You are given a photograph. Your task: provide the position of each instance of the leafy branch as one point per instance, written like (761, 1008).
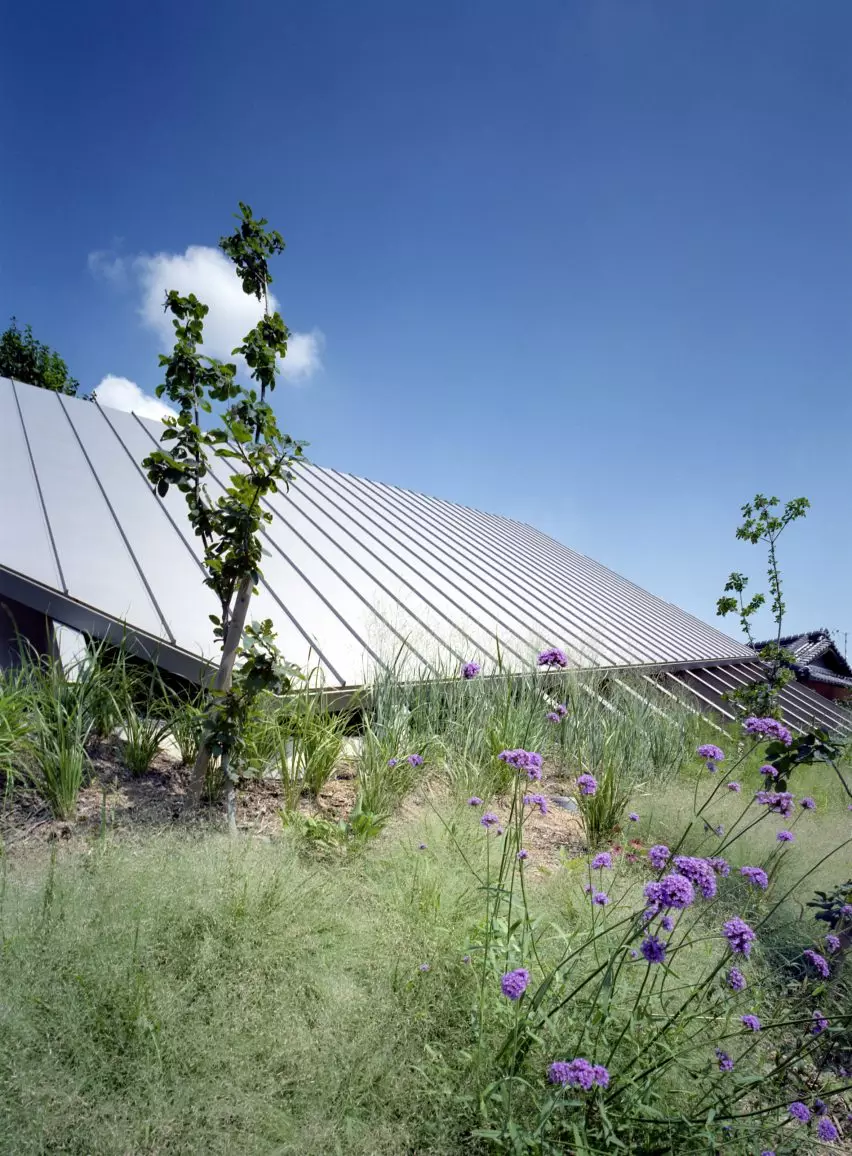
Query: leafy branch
(247, 438)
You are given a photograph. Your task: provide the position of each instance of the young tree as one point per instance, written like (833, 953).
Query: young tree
(762, 524)
(26, 359)
(246, 440)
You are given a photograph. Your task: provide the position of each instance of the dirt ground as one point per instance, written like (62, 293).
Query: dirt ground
(133, 805)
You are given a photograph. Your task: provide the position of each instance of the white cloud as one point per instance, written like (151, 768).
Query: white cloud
(208, 274)
(105, 263)
(121, 393)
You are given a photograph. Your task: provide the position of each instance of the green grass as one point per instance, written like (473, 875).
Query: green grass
(204, 997)
(208, 995)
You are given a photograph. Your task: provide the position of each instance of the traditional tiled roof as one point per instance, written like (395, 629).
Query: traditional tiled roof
(806, 649)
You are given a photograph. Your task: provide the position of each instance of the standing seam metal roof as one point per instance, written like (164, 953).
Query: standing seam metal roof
(357, 574)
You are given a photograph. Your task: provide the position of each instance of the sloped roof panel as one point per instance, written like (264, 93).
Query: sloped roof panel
(357, 574)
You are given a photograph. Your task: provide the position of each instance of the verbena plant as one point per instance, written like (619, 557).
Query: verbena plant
(637, 1027)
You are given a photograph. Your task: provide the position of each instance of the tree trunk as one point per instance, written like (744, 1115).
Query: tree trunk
(222, 682)
(230, 793)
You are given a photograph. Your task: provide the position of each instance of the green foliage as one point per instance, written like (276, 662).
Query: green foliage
(603, 813)
(246, 438)
(352, 833)
(60, 727)
(185, 720)
(143, 737)
(13, 731)
(762, 525)
(28, 360)
(835, 908)
(385, 775)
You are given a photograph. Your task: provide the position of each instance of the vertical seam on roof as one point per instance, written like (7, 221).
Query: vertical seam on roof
(37, 480)
(118, 525)
(464, 528)
(596, 647)
(368, 503)
(148, 485)
(441, 642)
(312, 643)
(305, 475)
(700, 631)
(373, 610)
(590, 620)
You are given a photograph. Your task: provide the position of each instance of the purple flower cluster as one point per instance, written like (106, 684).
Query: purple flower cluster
(832, 944)
(720, 866)
(633, 817)
(751, 1023)
(653, 949)
(601, 860)
(699, 872)
(489, 819)
(670, 891)
(825, 1130)
(786, 837)
(819, 1024)
(800, 1111)
(711, 753)
(578, 1073)
(817, 962)
(726, 1064)
(588, 784)
(470, 670)
(735, 787)
(735, 979)
(807, 804)
(667, 923)
(552, 657)
(769, 771)
(474, 801)
(552, 716)
(527, 761)
(415, 760)
(756, 876)
(515, 983)
(739, 935)
(781, 802)
(522, 855)
(393, 762)
(557, 714)
(768, 728)
(658, 856)
(536, 801)
(600, 898)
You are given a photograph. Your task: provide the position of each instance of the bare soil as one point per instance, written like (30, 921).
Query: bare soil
(133, 805)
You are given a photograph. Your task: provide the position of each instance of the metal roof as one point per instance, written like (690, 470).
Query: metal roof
(357, 574)
(802, 708)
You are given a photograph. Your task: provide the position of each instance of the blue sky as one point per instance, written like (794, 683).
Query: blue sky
(586, 264)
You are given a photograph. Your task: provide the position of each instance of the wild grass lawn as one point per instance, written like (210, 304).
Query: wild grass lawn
(199, 995)
(338, 989)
